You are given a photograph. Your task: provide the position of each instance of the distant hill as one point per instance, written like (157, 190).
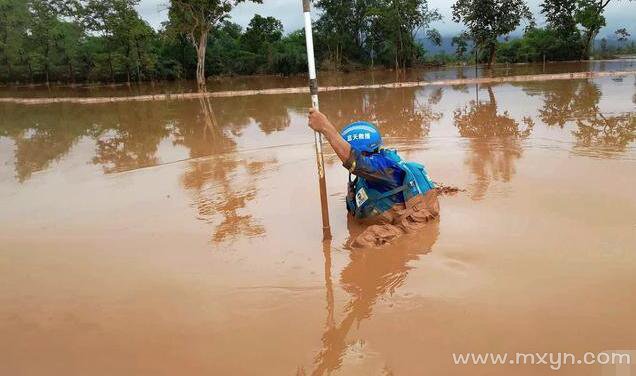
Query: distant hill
(432, 48)
(448, 48)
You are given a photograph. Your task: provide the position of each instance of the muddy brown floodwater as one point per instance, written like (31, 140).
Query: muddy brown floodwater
(184, 237)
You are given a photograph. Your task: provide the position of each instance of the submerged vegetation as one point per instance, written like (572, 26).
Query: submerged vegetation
(107, 40)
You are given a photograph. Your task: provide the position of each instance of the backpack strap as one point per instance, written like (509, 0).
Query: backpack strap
(392, 192)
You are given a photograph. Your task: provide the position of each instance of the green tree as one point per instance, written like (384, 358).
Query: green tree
(541, 43)
(43, 16)
(622, 35)
(395, 24)
(14, 17)
(487, 20)
(195, 19)
(561, 21)
(101, 17)
(343, 29)
(560, 15)
(260, 38)
(226, 54)
(460, 42)
(125, 34)
(604, 48)
(589, 15)
(50, 40)
(68, 38)
(291, 55)
(134, 36)
(261, 33)
(176, 56)
(47, 40)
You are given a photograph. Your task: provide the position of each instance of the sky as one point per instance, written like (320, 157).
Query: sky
(619, 13)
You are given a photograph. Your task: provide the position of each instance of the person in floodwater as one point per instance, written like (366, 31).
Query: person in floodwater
(393, 195)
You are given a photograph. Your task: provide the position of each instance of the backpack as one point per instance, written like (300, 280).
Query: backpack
(365, 202)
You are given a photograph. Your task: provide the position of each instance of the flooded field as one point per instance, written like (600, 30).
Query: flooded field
(325, 79)
(184, 237)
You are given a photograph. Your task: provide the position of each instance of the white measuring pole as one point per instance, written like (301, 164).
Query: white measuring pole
(313, 90)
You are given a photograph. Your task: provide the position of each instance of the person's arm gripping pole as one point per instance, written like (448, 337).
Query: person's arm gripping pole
(313, 90)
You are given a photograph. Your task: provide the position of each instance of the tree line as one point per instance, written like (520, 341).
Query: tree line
(77, 41)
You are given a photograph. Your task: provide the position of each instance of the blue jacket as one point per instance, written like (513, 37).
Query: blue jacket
(382, 180)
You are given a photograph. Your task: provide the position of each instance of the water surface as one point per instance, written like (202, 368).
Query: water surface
(325, 78)
(184, 237)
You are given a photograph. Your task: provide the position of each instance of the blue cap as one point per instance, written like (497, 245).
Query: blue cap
(362, 136)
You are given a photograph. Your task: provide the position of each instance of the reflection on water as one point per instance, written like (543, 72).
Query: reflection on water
(41, 135)
(326, 78)
(369, 276)
(217, 193)
(608, 133)
(128, 139)
(240, 173)
(398, 113)
(578, 101)
(494, 141)
(199, 131)
(127, 136)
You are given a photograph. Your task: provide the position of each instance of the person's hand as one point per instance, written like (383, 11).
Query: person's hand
(318, 121)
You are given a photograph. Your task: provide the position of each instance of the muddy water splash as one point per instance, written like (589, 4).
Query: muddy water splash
(184, 237)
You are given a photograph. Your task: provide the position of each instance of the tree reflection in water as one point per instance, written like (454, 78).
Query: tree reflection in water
(128, 137)
(218, 193)
(605, 133)
(369, 276)
(495, 141)
(578, 102)
(223, 185)
(398, 113)
(42, 135)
